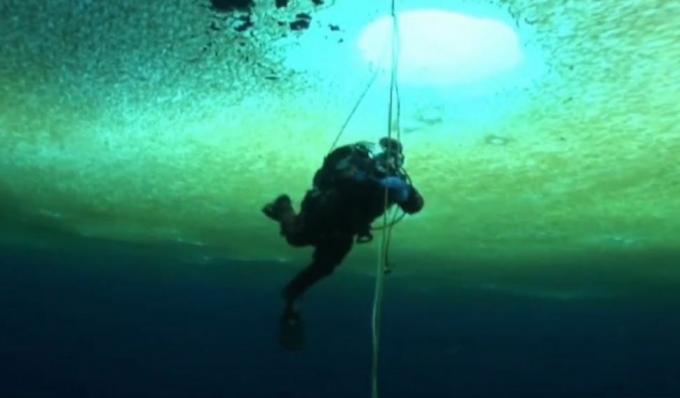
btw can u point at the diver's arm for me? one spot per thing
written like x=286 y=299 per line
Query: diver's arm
x=403 y=193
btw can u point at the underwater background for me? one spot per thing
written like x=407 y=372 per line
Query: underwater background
x=139 y=141
x=111 y=320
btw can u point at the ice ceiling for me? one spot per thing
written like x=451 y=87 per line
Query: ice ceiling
x=176 y=120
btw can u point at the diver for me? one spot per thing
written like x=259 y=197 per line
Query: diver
x=348 y=194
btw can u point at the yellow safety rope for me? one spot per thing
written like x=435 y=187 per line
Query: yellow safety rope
x=382 y=264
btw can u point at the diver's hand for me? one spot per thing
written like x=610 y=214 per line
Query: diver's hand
x=415 y=202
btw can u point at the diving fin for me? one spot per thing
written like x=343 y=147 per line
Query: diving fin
x=291 y=336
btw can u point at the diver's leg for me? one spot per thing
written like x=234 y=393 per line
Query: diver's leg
x=328 y=254
x=278 y=207
x=292 y=225
x=297 y=228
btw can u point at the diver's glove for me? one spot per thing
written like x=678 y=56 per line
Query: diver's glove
x=398 y=188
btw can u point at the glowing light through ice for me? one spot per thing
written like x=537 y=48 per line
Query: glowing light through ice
x=442 y=47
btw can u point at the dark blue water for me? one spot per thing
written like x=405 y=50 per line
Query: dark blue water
x=109 y=321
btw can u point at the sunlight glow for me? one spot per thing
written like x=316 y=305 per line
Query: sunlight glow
x=442 y=47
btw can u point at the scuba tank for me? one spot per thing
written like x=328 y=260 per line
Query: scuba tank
x=346 y=162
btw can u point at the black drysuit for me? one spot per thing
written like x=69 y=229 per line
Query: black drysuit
x=339 y=208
